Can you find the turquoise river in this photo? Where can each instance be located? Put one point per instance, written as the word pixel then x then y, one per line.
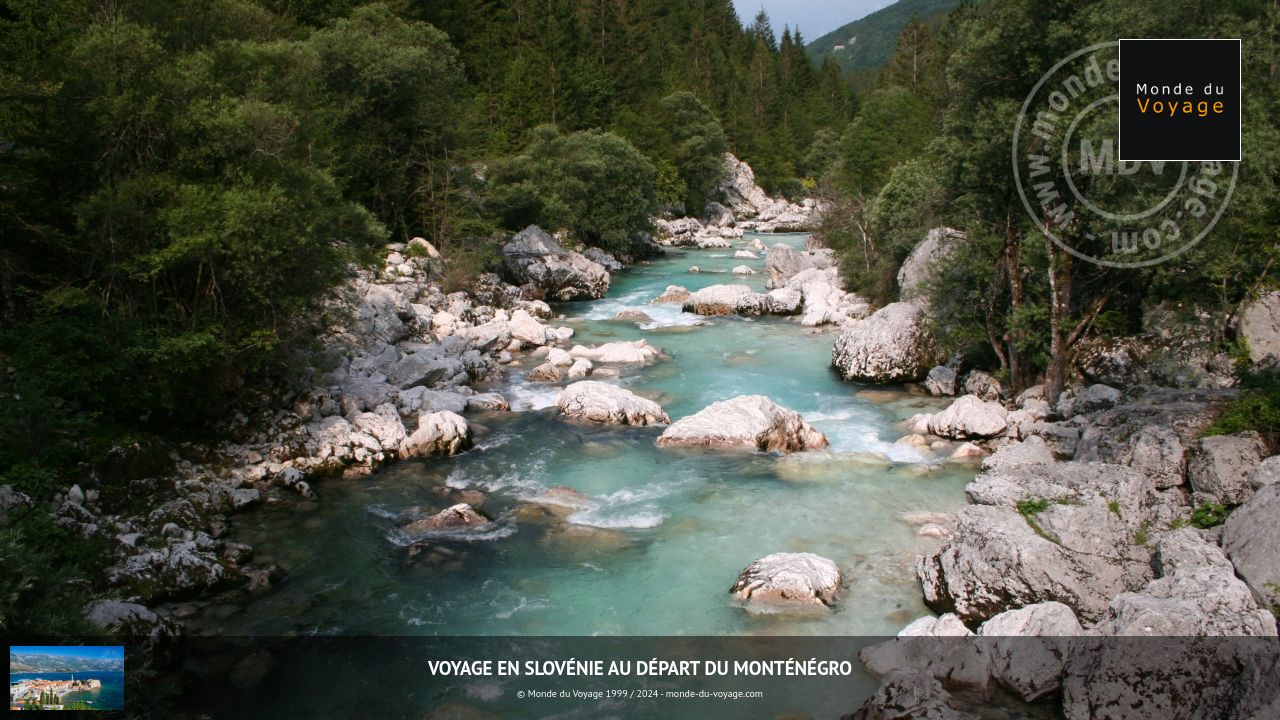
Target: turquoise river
pixel 666 531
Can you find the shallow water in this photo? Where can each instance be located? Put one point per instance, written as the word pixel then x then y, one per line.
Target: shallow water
pixel 665 532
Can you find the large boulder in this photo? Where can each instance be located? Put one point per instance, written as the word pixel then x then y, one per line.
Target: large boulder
pixel 748 421
pixel 941 381
pixel 893 345
pixel 739 189
pixel 727 300
pixel 789 580
pixel 604 403
pixel 1220 469
pixel 968 417
pixel 1251 540
pixel 1153 433
pixel 129 620
pixel 914 275
pixel 823 299
pixel 1133 499
pixel 784 262
pixel 534 258
pixel 438 433
pixel 1260 326
pixel 997 559
pixel 1197 593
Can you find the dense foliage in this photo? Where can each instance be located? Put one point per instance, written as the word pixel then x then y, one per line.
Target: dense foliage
pixel 931 147
pixel 182 181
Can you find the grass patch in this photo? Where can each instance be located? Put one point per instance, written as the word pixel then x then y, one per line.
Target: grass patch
pixel 1114 507
pixel 1033 507
pixel 1141 535
pixel 1029 508
pixel 1256 408
pixel 1209 515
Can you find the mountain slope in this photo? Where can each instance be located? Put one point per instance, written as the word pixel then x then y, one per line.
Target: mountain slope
pixel 61 663
pixel 868 42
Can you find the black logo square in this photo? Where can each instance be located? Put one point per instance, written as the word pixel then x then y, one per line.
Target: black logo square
pixel 1179 100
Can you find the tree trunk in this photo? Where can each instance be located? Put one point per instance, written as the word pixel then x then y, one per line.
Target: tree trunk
pixel 1059 312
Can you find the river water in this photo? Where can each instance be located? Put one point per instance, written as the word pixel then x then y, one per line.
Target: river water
pixel 666 531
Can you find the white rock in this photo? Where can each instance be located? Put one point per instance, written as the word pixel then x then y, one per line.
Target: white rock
pixel 748 421
pixel 783 580
pixel 605 403
pixel 893 345
pixel 969 417
pixel 439 433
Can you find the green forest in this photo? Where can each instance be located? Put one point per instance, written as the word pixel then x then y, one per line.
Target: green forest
pixel 182 181
pixel 929 147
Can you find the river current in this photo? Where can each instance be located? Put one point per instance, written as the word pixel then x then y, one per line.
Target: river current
pixel 665 531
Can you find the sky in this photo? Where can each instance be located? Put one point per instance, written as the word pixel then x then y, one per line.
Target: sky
pixel 814 17
pixel 101 652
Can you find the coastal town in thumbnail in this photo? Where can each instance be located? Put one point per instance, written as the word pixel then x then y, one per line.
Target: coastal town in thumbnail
pixel 66 677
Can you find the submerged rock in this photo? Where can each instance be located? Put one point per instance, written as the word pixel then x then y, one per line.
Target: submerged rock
pixel 458 517
pixel 893 345
pixel 673 294
pixel 605 403
pixel 748 421
pixel 782 580
pixel 618 353
pixel 633 315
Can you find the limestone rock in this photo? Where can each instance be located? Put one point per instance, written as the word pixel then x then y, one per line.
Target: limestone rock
pixel 941 381
pixel 673 294
pixel 457 517
pixel 635 352
pixel 1251 539
pixel 1196 594
pixel 533 257
pixel 893 345
pixel 605 403
pixel 969 417
pixel 995 560
pixel 129 620
pixel 747 421
pixel 914 275
pixel 782 580
pixel 439 433
pixel 1260 326
pixel 727 300
pixel 1221 468
pixel 1032 451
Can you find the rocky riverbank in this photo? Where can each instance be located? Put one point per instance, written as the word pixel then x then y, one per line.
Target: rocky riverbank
pixel 1097 516
pixel 402 369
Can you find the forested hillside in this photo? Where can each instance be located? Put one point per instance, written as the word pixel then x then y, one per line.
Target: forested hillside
pixel 866 43
pixel 183 183
pixel 930 147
